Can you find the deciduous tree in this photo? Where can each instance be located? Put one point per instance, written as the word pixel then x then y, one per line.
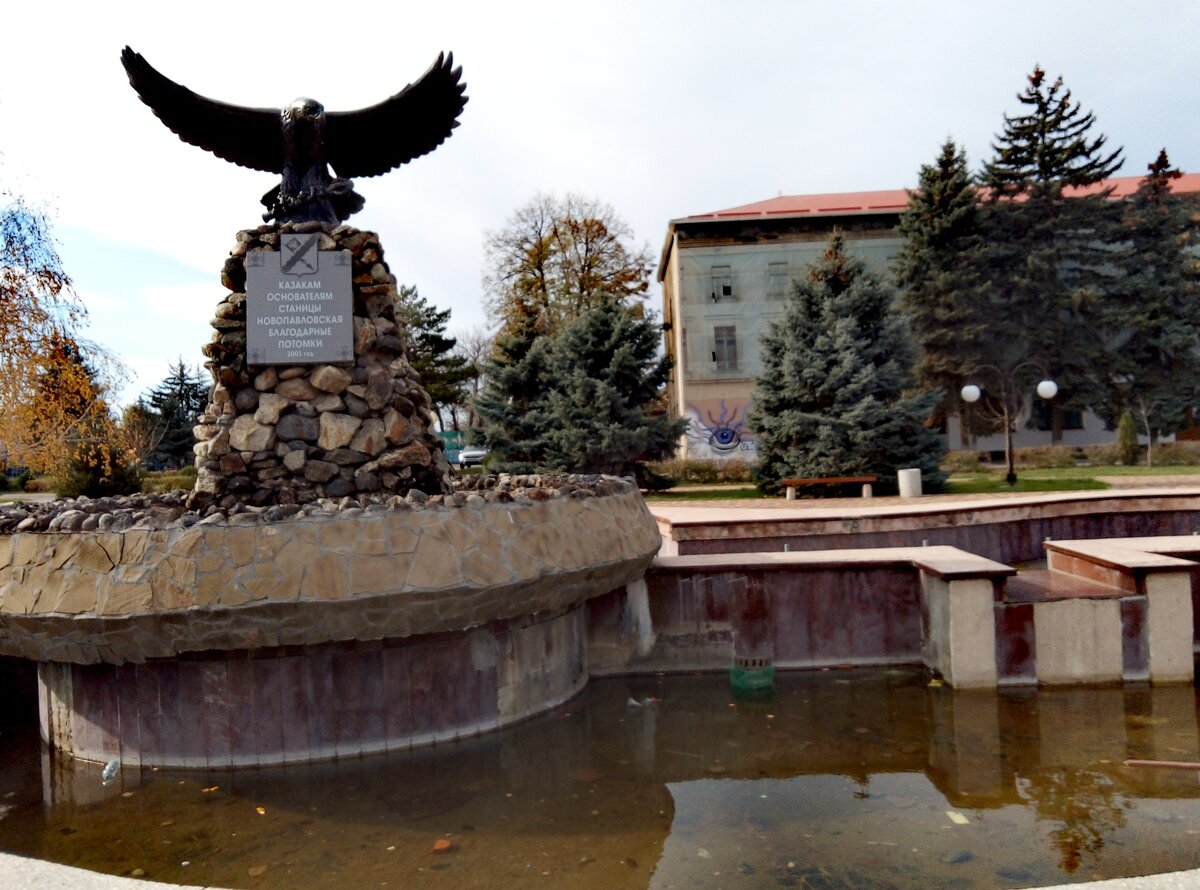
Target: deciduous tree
pixel 555 259
pixel 50 402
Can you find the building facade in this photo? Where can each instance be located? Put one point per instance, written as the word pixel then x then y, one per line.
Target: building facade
pixel 725 276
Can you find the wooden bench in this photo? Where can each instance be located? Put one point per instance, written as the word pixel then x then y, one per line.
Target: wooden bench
pixel 792 484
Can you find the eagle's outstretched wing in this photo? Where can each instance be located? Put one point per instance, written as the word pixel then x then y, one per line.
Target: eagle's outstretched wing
pixel 411 123
pixel 250 137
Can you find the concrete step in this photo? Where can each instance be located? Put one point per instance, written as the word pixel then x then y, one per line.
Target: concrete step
pixel 1042 586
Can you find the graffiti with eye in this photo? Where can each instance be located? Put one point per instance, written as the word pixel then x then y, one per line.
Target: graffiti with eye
pixel 721 433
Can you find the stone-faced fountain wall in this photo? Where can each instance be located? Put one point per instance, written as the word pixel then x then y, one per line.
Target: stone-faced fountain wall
pixel 324 591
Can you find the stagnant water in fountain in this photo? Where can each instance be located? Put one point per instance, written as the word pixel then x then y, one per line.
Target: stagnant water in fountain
pixel 844 779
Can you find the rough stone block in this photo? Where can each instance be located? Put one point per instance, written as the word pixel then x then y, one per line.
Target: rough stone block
pixel 247 434
pixel 293 427
pixel 337 430
pixel 296 389
pixel 270 406
pixel 330 379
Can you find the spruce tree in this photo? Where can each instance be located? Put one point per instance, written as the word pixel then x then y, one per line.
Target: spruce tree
pixel 603 407
pixel 834 396
pixel 443 372
pixel 940 272
pixel 1155 369
pixel 177 401
pixel 584 400
pixel 1051 256
pixel 508 405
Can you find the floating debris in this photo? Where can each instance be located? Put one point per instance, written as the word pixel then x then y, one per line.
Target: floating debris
pixel 957 818
pixel 441 845
pixel 110 772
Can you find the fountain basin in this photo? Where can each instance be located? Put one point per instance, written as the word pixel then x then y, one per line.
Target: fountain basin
pixel 313 637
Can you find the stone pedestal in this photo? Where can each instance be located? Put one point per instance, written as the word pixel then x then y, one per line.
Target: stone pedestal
pixel 291 434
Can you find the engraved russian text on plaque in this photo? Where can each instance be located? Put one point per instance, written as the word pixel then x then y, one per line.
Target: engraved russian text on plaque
pixel 299 304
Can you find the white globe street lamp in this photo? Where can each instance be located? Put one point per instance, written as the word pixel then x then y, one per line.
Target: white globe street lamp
pixel 971 394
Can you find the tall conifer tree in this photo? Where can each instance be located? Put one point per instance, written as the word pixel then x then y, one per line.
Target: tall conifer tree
pixel 443 371
pixel 177 402
pixel 834 396
pixel 1051 256
pixel 1156 357
pixel 941 275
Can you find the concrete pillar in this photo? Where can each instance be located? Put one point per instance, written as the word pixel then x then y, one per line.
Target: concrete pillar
pixel 960 641
pixel 1169 627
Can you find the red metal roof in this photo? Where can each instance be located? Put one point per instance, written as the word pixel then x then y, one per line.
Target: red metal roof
pixel 897 200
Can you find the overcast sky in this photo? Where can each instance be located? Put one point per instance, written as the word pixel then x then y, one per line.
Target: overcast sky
pixel 661 108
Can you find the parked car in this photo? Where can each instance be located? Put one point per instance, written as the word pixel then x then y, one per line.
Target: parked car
pixel 472 457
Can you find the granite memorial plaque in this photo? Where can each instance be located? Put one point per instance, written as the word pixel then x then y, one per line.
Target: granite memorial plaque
pixel 299 304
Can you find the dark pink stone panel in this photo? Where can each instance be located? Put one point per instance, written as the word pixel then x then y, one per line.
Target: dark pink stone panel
pixel 1016 652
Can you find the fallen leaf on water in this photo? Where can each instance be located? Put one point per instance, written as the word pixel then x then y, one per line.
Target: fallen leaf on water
pixel 957 818
pixel 441 845
pixel 935 683
pixel 256 871
pixel 703 853
pixel 262 811
pixel 210 790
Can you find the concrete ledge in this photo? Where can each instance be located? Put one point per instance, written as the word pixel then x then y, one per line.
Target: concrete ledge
pixel 947 563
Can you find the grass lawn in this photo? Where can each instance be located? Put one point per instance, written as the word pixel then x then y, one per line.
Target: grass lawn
pixel 725 492
pixel 983 483
pixel 990 480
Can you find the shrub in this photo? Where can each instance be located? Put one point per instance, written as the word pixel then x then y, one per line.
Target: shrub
pixel 703 472
pixel 1102 455
pixel 1177 454
pixel 1127 440
pixel 168 480
pixel 1045 457
pixel 963 462
pixel 14 483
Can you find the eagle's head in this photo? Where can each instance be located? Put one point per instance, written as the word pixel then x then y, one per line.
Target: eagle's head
pixel 303 109
pixel 304 127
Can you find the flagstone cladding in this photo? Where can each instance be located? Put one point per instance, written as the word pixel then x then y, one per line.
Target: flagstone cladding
pixel 118 597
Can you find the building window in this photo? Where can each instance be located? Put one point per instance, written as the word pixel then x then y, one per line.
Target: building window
pixel 777 281
pixel 1044 417
pixel 724 355
pixel 722 283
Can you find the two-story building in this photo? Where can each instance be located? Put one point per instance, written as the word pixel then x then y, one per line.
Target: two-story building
pixel 725 276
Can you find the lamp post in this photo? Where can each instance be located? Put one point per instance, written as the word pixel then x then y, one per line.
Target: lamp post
pixel 1009 407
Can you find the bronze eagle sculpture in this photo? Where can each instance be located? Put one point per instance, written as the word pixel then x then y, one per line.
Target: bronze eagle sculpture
pixel 302 140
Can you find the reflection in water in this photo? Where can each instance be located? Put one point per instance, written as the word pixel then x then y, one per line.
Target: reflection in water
pixel 845 779
pixel 1082 804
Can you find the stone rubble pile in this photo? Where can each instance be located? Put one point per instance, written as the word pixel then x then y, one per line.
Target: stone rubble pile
pixel 171 510
pixel 292 435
